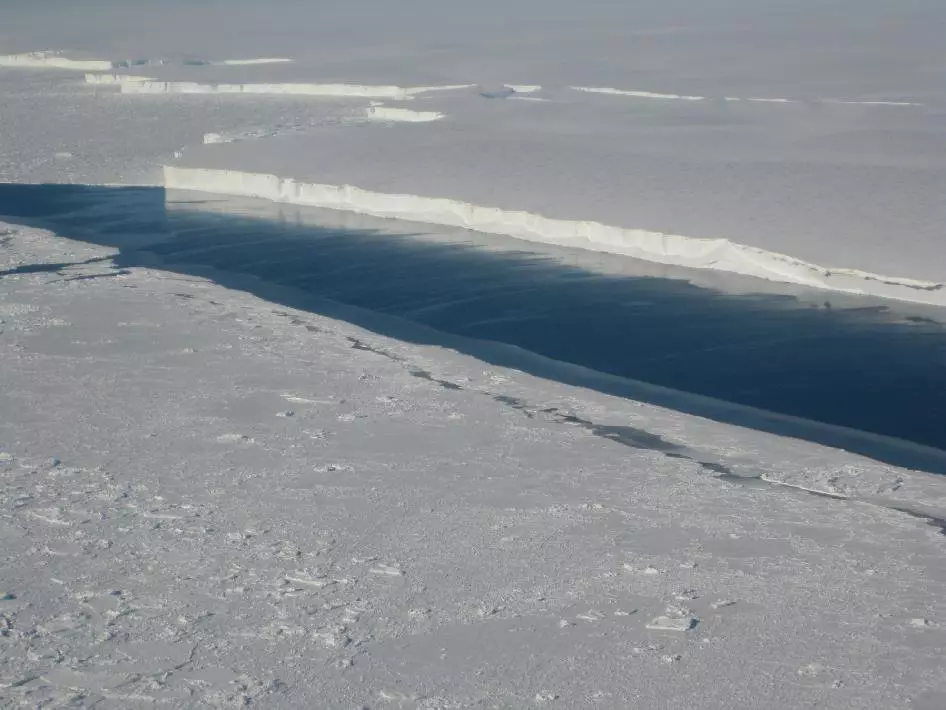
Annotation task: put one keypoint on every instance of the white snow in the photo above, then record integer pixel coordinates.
(125, 140)
(114, 79)
(56, 60)
(679, 97)
(636, 94)
(292, 89)
(186, 87)
(212, 138)
(766, 101)
(719, 254)
(674, 619)
(259, 60)
(871, 103)
(53, 60)
(401, 115)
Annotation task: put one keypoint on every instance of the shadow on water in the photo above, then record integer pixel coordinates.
(770, 357)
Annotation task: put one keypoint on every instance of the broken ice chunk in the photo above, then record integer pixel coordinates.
(674, 619)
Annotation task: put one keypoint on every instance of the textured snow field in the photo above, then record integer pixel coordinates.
(211, 500)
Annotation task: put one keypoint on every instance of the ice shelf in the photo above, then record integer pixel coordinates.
(719, 254)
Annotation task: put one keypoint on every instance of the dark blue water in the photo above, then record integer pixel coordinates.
(869, 365)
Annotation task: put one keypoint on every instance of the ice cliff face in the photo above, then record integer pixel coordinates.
(397, 93)
(720, 254)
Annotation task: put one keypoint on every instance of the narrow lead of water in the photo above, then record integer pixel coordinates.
(862, 363)
(866, 364)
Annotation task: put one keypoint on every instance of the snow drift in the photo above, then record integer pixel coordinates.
(719, 254)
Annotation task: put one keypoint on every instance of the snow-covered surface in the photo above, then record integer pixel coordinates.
(114, 79)
(258, 60)
(401, 115)
(295, 89)
(677, 97)
(636, 94)
(222, 501)
(53, 60)
(211, 138)
(56, 128)
(524, 88)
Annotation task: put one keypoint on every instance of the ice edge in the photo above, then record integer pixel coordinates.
(379, 112)
(398, 93)
(678, 250)
(53, 60)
